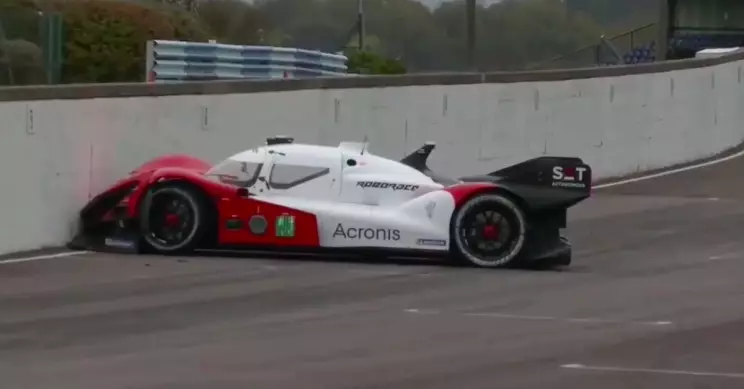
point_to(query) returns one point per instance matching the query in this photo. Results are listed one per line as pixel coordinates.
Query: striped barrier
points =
(174, 61)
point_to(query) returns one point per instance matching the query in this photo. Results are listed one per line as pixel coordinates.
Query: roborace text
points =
(387, 185)
(366, 233)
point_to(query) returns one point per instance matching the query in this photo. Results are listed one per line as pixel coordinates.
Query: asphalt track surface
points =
(653, 300)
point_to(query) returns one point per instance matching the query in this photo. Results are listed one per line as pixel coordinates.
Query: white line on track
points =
(670, 172)
(606, 185)
(729, 255)
(39, 257)
(501, 315)
(578, 366)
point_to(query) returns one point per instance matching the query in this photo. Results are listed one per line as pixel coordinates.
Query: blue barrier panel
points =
(174, 61)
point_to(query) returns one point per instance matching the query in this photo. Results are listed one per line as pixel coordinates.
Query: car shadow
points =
(366, 259)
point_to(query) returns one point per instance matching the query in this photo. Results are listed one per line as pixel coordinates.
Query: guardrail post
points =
(149, 61)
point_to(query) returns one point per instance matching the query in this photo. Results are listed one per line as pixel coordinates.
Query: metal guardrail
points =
(632, 47)
(174, 61)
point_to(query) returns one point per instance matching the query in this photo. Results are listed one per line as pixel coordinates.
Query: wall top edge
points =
(112, 90)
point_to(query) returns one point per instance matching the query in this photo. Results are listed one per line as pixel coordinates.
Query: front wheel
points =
(488, 231)
(172, 219)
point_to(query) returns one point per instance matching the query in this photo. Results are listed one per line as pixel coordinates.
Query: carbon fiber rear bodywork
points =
(544, 188)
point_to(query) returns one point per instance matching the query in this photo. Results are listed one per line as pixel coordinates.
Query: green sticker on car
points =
(285, 226)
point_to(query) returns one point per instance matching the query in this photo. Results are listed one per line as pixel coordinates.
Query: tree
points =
(105, 40)
(531, 30)
(309, 24)
(233, 21)
(511, 33)
(21, 63)
(408, 30)
(21, 59)
(617, 16)
(405, 28)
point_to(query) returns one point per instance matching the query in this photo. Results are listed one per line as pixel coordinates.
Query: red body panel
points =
(231, 204)
(186, 164)
(176, 160)
(462, 192)
(140, 182)
(243, 208)
(213, 188)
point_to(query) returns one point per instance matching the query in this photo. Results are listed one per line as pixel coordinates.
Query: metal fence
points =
(636, 46)
(30, 47)
(174, 61)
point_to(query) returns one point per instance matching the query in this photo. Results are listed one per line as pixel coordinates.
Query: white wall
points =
(55, 154)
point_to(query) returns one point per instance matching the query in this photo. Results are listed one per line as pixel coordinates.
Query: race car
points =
(287, 196)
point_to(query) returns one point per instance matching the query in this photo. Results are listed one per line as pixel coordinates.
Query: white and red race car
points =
(290, 196)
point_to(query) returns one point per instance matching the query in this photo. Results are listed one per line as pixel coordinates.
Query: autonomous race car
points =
(286, 196)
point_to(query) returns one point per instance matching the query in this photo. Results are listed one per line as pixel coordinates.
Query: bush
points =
(18, 4)
(24, 63)
(105, 40)
(363, 62)
(18, 22)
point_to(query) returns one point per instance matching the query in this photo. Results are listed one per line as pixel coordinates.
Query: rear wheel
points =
(172, 219)
(488, 231)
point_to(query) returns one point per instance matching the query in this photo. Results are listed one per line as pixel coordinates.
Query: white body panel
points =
(358, 225)
(360, 199)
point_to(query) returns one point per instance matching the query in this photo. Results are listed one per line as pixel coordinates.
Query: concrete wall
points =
(59, 147)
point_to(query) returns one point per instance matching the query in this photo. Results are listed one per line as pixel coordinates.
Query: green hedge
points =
(104, 40)
(364, 62)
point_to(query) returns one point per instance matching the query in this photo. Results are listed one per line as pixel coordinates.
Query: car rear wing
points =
(544, 182)
(568, 173)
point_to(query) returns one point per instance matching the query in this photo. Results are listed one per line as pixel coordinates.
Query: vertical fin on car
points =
(418, 158)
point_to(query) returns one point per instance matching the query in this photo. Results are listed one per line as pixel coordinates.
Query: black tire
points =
(188, 234)
(496, 214)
